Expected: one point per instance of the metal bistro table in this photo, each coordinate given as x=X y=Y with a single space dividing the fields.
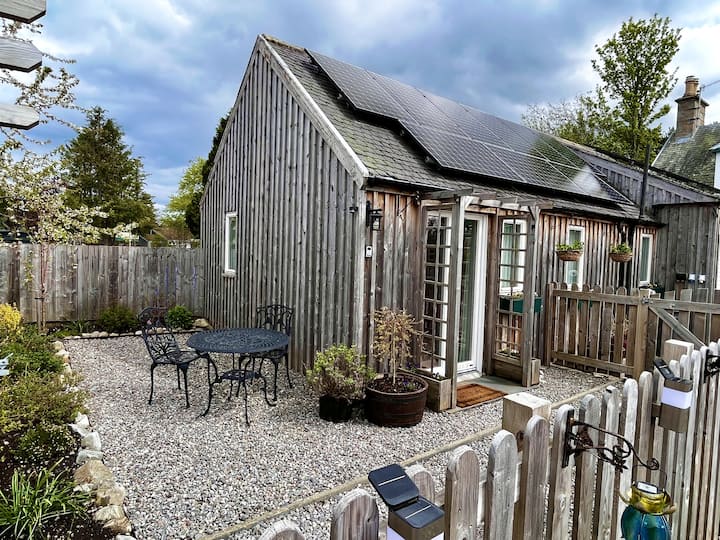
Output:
x=245 y=345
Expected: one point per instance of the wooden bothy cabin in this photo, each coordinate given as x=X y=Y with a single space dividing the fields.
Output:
x=338 y=191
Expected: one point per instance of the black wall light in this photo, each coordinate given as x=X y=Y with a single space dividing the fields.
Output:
x=372 y=216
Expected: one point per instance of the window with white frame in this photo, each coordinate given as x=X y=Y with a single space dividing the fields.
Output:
x=513 y=243
x=231 y=253
x=645 y=266
x=574 y=269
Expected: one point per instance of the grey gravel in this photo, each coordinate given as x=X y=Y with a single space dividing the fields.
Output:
x=187 y=475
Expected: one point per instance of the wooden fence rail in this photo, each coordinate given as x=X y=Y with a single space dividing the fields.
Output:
x=620 y=332
x=506 y=500
x=83 y=280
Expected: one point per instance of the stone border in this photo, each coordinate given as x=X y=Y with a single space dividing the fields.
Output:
x=93 y=476
x=198 y=325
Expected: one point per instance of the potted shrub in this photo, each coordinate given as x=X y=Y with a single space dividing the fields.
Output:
x=621 y=252
x=570 y=252
x=339 y=376
x=396 y=398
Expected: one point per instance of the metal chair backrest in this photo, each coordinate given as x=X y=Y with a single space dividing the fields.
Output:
x=275 y=317
x=159 y=339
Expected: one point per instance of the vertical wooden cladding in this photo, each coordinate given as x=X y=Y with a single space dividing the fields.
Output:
x=598 y=269
x=687 y=245
x=394 y=270
x=298 y=224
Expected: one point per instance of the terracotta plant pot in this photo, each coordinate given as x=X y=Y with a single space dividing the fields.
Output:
x=396 y=409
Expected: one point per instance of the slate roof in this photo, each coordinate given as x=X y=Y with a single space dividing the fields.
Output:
x=393 y=157
x=691 y=156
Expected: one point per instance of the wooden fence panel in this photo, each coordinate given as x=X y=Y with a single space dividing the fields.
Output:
x=500 y=487
x=529 y=515
x=585 y=466
x=355 y=516
x=462 y=487
x=283 y=530
x=603 y=523
x=560 y=494
x=83 y=280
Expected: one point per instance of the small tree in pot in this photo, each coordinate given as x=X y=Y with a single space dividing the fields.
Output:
x=396 y=399
x=339 y=376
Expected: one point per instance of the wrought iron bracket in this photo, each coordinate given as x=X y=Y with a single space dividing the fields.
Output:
x=578 y=440
x=712 y=364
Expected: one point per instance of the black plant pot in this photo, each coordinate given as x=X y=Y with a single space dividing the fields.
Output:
x=335 y=409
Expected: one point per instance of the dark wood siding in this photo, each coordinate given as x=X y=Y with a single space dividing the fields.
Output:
x=300 y=220
x=687 y=245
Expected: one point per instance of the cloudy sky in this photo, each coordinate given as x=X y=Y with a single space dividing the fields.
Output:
x=167 y=70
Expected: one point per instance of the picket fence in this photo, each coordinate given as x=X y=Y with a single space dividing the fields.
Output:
x=581 y=500
x=82 y=280
x=620 y=332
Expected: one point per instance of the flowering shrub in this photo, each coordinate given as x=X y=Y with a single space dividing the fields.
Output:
x=10 y=320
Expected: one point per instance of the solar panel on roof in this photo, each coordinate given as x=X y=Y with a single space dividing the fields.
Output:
x=465 y=139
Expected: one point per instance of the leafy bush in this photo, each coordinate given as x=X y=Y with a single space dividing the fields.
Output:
x=44 y=444
x=179 y=317
x=30 y=338
x=118 y=319
x=35 y=500
x=10 y=320
x=35 y=398
x=575 y=246
x=72 y=328
x=622 y=248
x=41 y=361
x=340 y=371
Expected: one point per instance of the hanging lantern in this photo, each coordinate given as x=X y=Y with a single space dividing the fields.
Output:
x=644 y=518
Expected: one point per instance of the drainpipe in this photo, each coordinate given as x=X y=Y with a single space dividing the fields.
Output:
x=641 y=213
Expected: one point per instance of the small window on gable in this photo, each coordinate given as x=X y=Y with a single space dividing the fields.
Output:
x=645 y=266
x=231 y=253
x=574 y=269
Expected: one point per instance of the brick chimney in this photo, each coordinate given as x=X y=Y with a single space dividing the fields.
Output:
x=691 y=109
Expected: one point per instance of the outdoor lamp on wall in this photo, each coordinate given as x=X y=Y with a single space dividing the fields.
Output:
x=372 y=216
x=644 y=518
x=675 y=399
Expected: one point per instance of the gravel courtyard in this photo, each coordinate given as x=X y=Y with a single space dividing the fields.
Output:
x=188 y=476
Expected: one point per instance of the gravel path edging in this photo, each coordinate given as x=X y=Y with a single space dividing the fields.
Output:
x=362 y=479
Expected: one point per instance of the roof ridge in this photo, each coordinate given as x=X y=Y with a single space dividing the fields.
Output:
x=278 y=41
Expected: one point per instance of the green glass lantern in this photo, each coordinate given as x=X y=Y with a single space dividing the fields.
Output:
x=644 y=518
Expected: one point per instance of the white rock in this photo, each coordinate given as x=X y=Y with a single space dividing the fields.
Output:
x=63 y=354
x=201 y=323
x=124 y=537
x=58 y=345
x=138 y=333
x=106 y=513
x=82 y=420
x=119 y=525
x=113 y=334
x=86 y=455
x=103 y=334
x=86 y=335
x=110 y=495
x=95 y=334
x=91 y=441
x=80 y=430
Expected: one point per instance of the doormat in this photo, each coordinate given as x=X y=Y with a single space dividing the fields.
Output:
x=472 y=394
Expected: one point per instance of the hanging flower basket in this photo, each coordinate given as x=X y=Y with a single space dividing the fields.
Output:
x=569 y=255
x=621 y=257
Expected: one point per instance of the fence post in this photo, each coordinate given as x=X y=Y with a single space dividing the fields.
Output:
x=549 y=323
x=641 y=334
x=283 y=530
x=462 y=491
x=528 y=522
x=356 y=516
x=423 y=480
x=559 y=496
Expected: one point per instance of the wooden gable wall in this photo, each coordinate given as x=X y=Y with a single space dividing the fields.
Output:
x=300 y=219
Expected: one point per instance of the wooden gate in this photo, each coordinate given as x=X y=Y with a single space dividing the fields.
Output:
x=503 y=502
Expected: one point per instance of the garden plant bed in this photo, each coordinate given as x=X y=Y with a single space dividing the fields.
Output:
x=63 y=527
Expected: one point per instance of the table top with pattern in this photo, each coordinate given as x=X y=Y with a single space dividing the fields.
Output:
x=238 y=340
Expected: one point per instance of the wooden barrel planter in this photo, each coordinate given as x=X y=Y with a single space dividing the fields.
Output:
x=396 y=409
x=569 y=255
x=621 y=257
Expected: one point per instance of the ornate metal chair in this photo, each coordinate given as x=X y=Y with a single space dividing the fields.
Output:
x=279 y=318
x=163 y=347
